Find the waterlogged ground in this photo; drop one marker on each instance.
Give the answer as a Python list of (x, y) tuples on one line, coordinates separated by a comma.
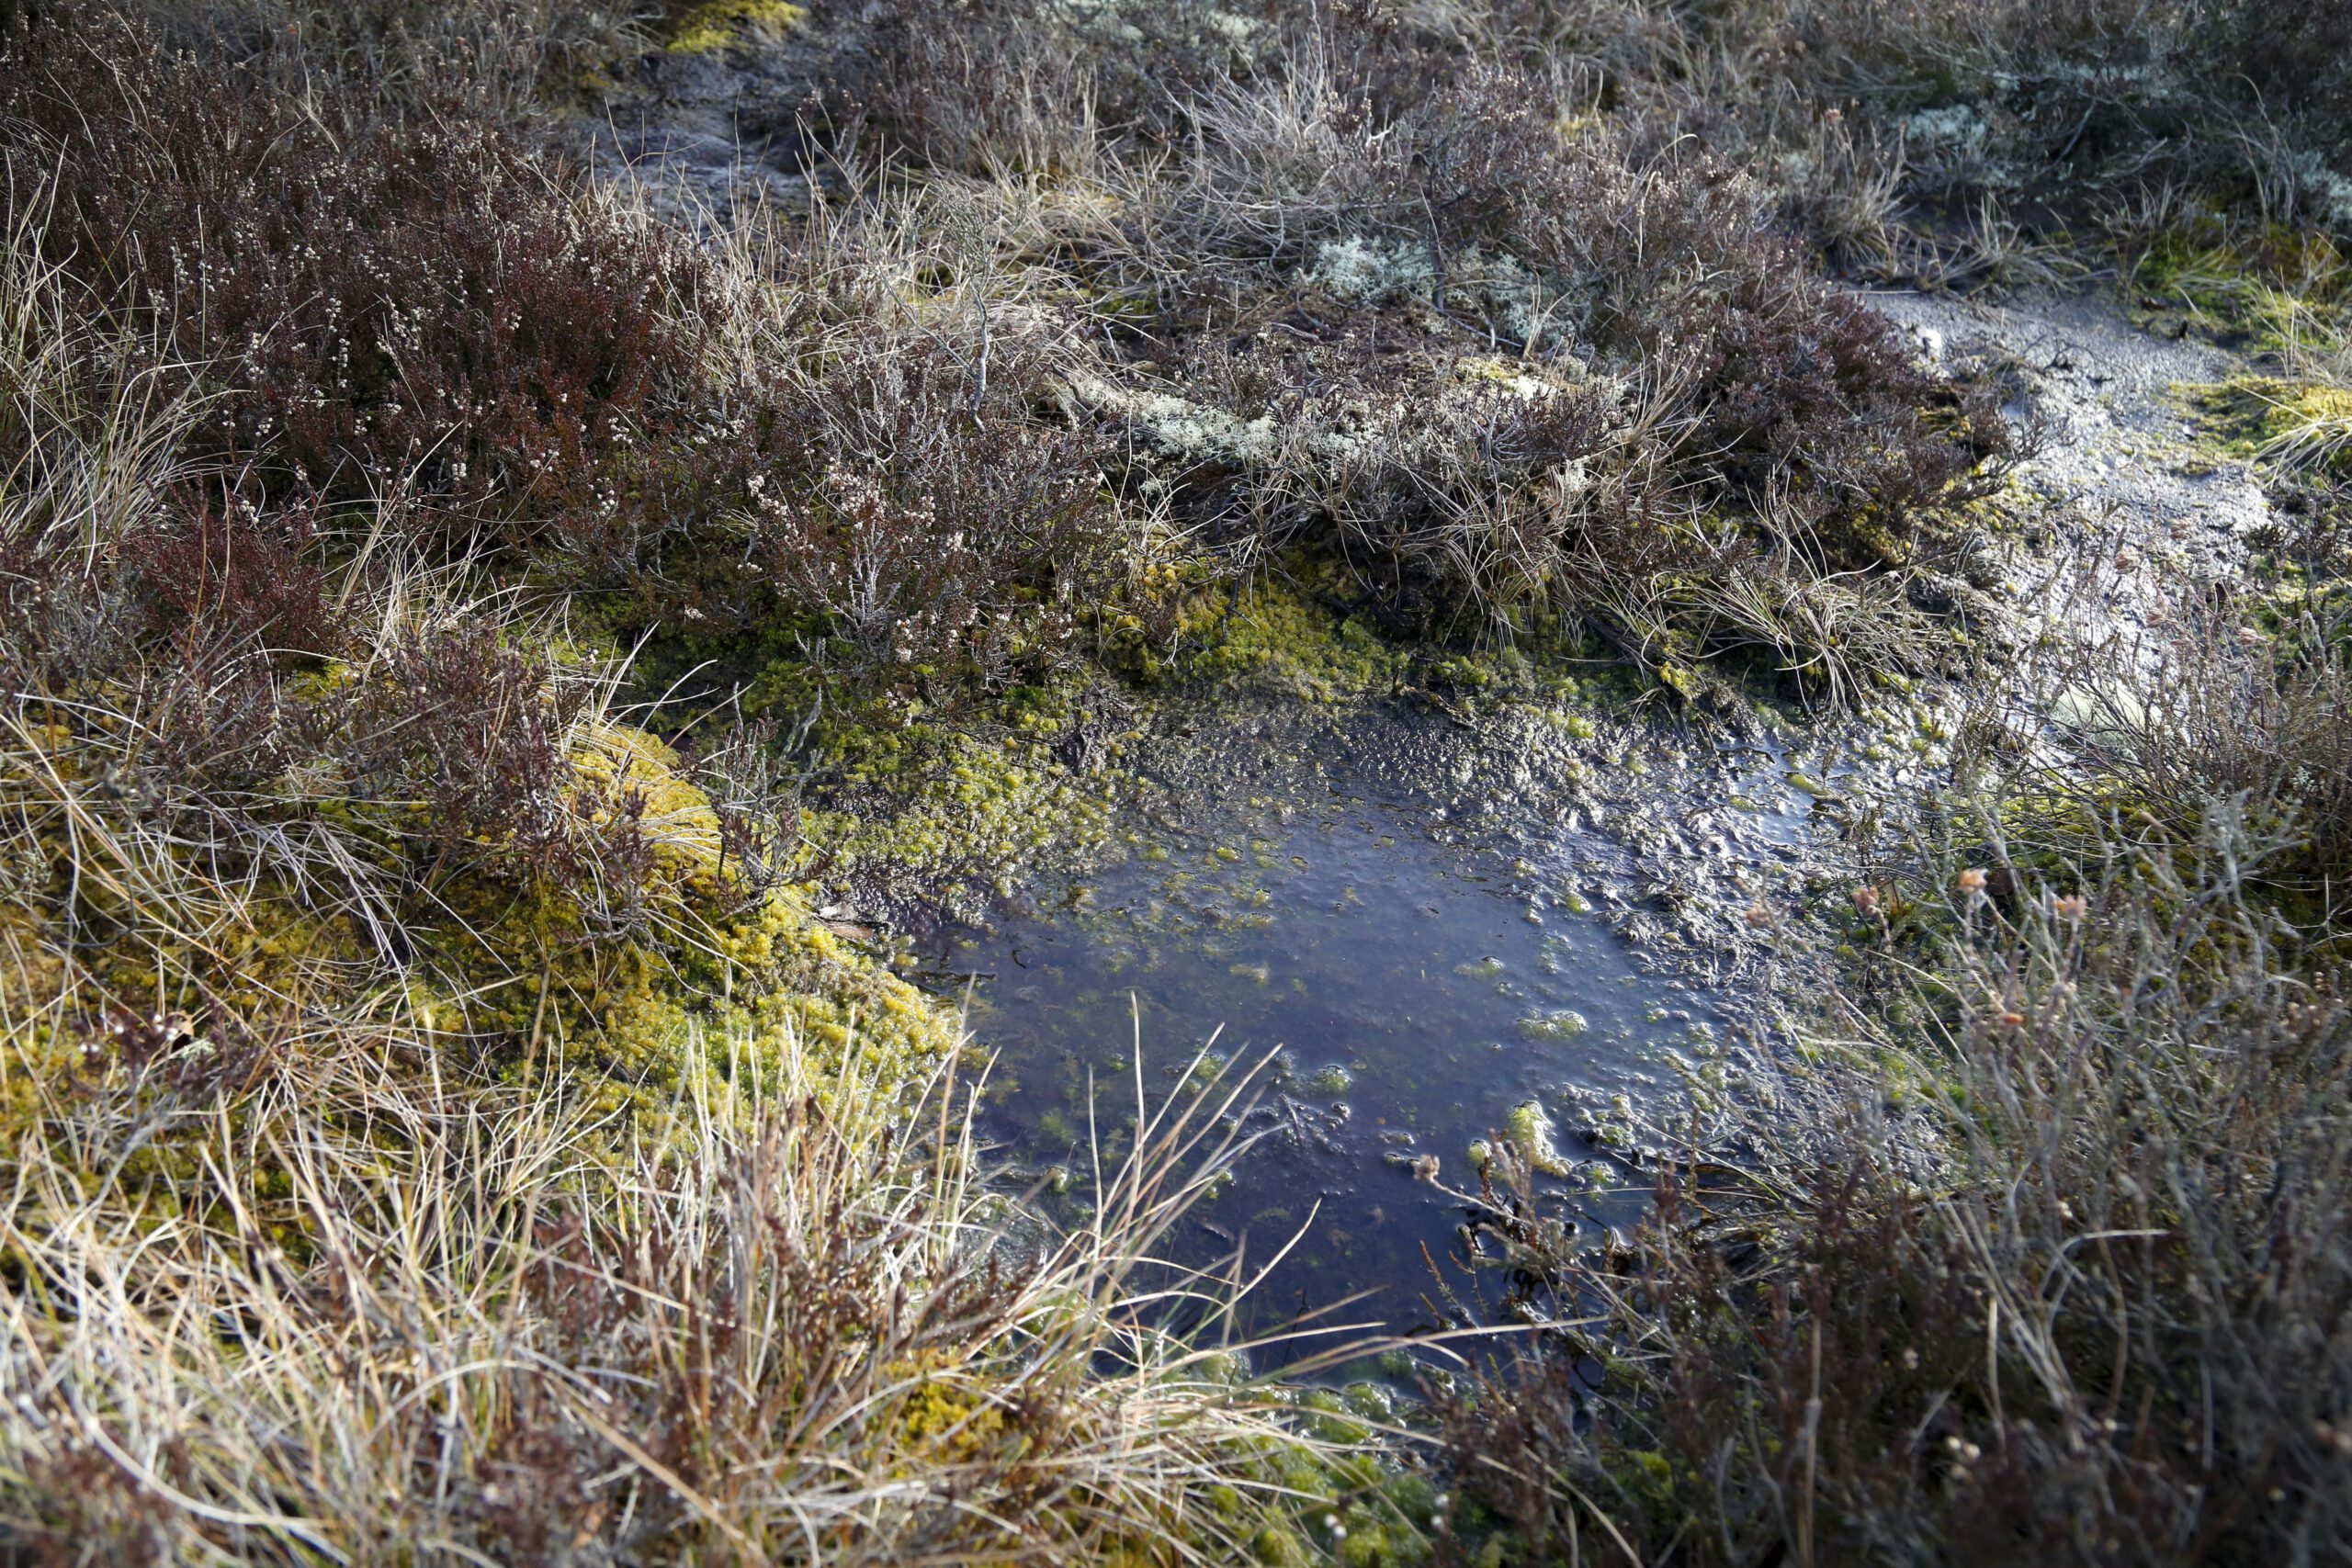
[(1527, 920), (1571, 923), (1418, 989)]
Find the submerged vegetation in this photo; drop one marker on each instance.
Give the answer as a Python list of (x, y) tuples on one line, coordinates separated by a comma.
[(469, 633)]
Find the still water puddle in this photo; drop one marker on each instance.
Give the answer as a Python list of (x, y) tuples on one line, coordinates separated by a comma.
[(1417, 996)]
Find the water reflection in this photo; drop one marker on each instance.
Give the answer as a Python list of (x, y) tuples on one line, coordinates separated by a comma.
[(1417, 997)]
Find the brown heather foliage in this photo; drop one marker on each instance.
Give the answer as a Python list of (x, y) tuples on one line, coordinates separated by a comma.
[(404, 313), (2069, 1282), (909, 496), (1577, 377), (2065, 110), (470, 727), (1606, 187), (1673, 404), (2106, 1322), (178, 639), (411, 307), (401, 302)]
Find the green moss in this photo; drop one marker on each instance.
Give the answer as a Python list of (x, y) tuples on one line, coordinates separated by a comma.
[(958, 813), (1281, 1548), (1530, 1131), (944, 1415), (2278, 287), (1558, 1023), (1276, 636), (488, 955), (720, 24), (2303, 425), (1283, 633), (1331, 1080)]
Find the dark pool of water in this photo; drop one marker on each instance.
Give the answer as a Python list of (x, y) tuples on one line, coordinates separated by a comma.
[(1417, 992)]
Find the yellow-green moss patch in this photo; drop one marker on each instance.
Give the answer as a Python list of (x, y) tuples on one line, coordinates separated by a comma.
[(720, 24), (942, 811), (1274, 634), (2301, 425)]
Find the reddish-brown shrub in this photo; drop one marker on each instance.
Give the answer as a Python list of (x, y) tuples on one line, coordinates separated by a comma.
[(471, 728), (415, 304), (981, 85), (1801, 396), (172, 639), (2070, 1285), (219, 569), (910, 499)]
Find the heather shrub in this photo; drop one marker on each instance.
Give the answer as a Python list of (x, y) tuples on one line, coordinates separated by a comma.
[(470, 727), (411, 305), (2078, 1293), (1381, 283), (2082, 79), (1953, 144), (1519, 371), (218, 569), (1799, 396), (909, 495), (2065, 1279), (413, 311), (511, 61), (2064, 110), (1019, 84), (248, 779), (2297, 57)]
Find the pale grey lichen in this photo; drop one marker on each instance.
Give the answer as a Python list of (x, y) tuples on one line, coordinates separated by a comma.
[(2318, 188), (1133, 22), (1179, 426), (1240, 30), (1420, 426), (1949, 129), (1375, 272), (1369, 270)]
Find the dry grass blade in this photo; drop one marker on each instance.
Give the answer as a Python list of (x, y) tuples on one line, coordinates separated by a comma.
[(486, 1323)]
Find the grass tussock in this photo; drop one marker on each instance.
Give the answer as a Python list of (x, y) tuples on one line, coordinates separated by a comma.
[(290, 1300)]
